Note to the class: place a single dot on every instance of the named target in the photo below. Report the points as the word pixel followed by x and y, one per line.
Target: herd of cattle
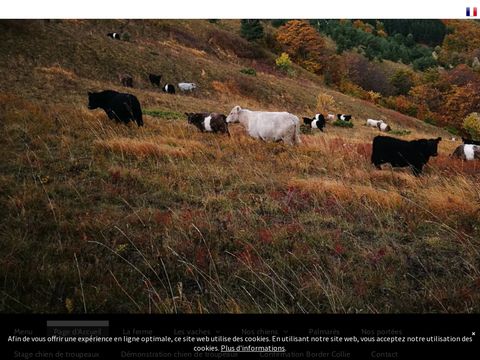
pixel 127 81
pixel 155 79
pixel 284 126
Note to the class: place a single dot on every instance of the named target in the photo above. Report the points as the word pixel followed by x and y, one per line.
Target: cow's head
pixel 234 116
pixel 431 146
pixel 93 100
pixel 193 118
pixel 189 117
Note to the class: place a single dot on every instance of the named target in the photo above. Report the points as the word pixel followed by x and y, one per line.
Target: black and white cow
pixel 467 152
pixel 209 122
pixel 120 107
pixel 400 153
pixel 344 117
pixel 154 79
pixel 383 127
pixel 114 35
pixel 169 89
pixel 470 141
pixel 316 122
pixel 126 80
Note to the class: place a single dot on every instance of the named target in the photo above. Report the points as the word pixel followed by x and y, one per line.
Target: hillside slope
pixel 100 217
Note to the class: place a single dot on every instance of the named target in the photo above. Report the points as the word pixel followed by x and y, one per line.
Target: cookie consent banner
pixel 245 336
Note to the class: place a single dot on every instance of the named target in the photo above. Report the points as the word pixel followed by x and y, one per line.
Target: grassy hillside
pixel 99 217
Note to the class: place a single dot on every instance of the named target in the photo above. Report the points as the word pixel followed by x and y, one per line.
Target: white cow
pixel 265 125
pixel 187 86
pixel 373 123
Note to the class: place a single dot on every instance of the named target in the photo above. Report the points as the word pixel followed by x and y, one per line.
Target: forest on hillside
pixel 428 69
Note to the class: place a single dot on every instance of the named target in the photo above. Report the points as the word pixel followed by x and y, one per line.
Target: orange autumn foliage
pixel 303 43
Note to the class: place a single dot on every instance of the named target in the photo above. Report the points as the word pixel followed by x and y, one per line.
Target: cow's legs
pixel 417 169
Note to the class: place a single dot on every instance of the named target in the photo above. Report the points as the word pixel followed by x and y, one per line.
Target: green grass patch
pixel 164 114
pixel 341 123
pixel 401 132
pixel 452 130
pixel 249 71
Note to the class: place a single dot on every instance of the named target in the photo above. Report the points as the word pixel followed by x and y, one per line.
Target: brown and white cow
pixel 209 122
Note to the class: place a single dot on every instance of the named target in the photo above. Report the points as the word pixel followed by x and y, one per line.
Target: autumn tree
pixel 461 75
pixel 303 43
pixel 461 101
pixel 465 36
pixel 427 95
pixel 403 81
pixel 334 70
pixel 369 75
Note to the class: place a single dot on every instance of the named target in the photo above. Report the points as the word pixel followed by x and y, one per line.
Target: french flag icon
pixel 473 13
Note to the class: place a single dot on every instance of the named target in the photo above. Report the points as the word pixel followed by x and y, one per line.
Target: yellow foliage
pixel 374 96
pixel 471 124
pixel 283 62
pixel 325 103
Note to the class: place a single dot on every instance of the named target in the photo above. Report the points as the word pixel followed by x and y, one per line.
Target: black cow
pixel 344 117
pixel 155 79
pixel 114 35
pixel 126 80
pixel 470 141
pixel 210 122
pixel 400 153
pixel 316 122
pixel 120 107
pixel 169 88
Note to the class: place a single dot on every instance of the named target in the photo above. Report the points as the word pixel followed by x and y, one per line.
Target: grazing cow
pixel 373 123
pixel 317 122
pixel 470 141
pixel 126 80
pixel 114 35
pixel 209 122
pixel 400 153
pixel 276 126
pixel 169 89
pixel 384 127
pixel 154 79
pixel 187 86
pixel 331 117
pixel 120 107
pixel 467 152
pixel 344 117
